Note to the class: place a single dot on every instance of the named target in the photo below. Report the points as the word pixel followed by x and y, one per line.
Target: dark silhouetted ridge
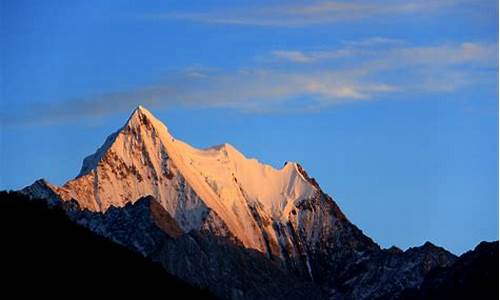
pixel 474 275
pixel 44 253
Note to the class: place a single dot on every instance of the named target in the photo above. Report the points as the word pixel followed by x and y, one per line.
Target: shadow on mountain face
pixel 217 262
pixel 43 253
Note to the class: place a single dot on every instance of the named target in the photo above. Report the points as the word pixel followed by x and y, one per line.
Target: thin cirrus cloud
pixel 349 49
pixel 246 90
pixel 309 13
pixel 301 57
pixel 303 81
pixel 483 53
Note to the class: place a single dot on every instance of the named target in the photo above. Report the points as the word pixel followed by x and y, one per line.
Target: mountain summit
pixel 229 223
pixel 262 207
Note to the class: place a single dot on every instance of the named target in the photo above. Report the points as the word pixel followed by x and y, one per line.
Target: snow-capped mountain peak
pixel 202 213
pixel 246 199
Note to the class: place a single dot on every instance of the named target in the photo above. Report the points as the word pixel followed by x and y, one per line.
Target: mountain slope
pixel 254 201
pixel 241 229
pixel 43 250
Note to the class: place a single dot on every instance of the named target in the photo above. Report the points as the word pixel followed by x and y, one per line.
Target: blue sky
pixel 391 105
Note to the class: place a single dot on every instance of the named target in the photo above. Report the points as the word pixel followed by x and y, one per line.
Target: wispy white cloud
pixel 248 90
pixel 396 53
pixel 479 53
pixel 374 42
pixel 310 57
pixel 303 13
pixel 352 73
pixel 356 48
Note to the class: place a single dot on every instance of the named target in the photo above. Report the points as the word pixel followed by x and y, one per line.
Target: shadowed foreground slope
pixel 43 252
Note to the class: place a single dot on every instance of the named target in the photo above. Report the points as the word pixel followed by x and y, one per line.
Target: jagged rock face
pixel 382 274
pixel 228 223
pixel 280 213
pixel 218 263
pixel 133 163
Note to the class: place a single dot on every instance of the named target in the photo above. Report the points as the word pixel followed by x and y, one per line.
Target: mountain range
pixel 241 229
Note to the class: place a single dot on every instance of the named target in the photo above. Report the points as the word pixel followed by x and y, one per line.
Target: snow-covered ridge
pixel 144 159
